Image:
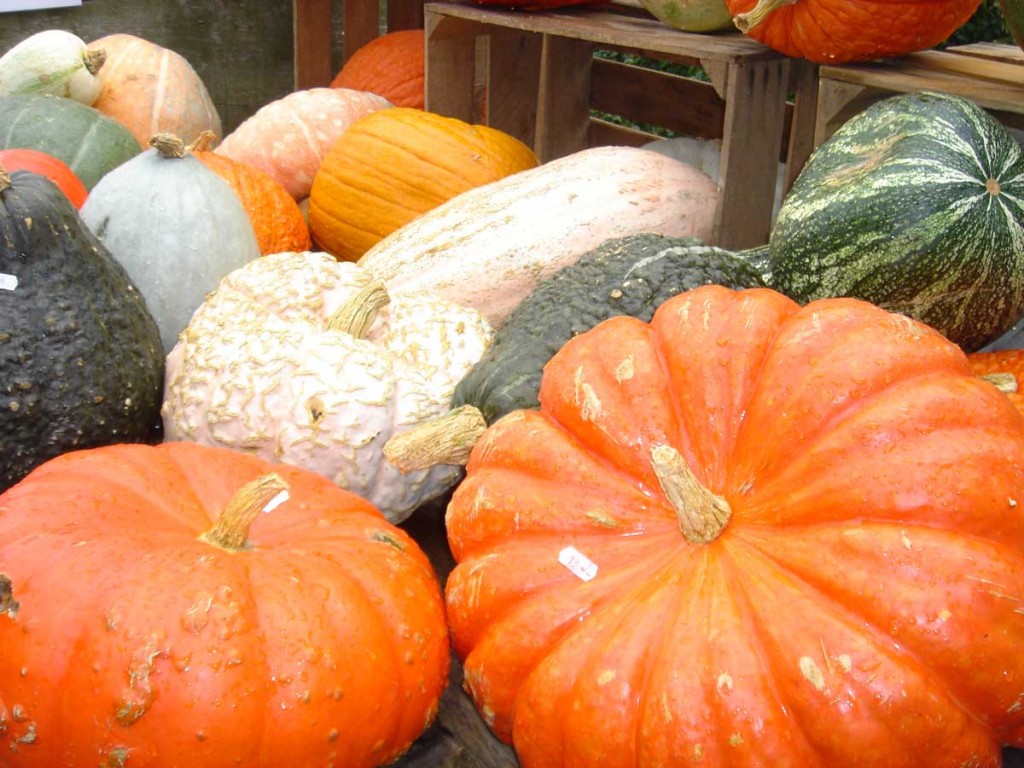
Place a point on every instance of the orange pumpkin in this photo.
(288, 138)
(997, 366)
(747, 533)
(391, 66)
(47, 165)
(397, 164)
(151, 89)
(278, 222)
(153, 606)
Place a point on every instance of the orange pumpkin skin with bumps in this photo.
(793, 536)
(277, 220)
(1002, 361)
(391, 65)
(130, 638)
(396, 164)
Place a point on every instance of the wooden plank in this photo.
(512, 83)
(800, 122)
(563, 97)
(603, 133)
(450, 67)
(748, 168)
(360, 23)
(313, 35)
(404, 14)
(993, 51)
(609, 25)
(680, 104)
(976, 67)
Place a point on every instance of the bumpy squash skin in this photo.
(79, 351)
(624, 276)
(914, 205)
(90, 143)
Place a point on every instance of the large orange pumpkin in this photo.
(151, 89)
(391, 66)
(838, 31)
(277, 220)
(144, 623)
(1005, 368)
(396, 164)
(748, 533)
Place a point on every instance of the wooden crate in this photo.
(540, 82)
(990, 74)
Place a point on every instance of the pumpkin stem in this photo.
(1004, 382)
(8, 605)
(747, 21)
(231, 531)
(702, 514)
(360, 309)
(94, 60)
(446, 439)
(203, 142)
(168, 145)
(5, 179)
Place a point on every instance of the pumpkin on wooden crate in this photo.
(87, 141)
(152, 89)
(395, 165)
(80, 353)
(302, 359)
(391, 65)
(840, 31)
(289, 137)
(489, 247)
(175, 225)
(53, 61)
(278, 222)
(54, 169)
(916, 205)
(747, 533)
(225, 609)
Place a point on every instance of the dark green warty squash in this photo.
(916, 205)
(81, 363)
(625, 276)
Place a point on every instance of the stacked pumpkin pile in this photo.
(708, 507)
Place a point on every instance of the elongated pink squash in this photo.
(487, 248)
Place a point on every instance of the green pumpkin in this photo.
(625, 276)
(88, 141)
(79, 351)
(916, 205)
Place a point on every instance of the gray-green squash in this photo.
(80, 353)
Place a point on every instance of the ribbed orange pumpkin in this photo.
(396, 164)
(391, 66)
(278, 222)
(151, 89)
(288, 138)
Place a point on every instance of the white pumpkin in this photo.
(293, 359)
(174, 225)
(53, 62)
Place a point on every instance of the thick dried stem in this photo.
(203, 143)
(747, 21)
(447, 439)
(231, 531)
(702, 514)
(8, 605)
(1004, 382)
(168, 145)
(5, 179)
(360, 309)
(94, 60)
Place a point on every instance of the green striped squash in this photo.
(916, 205)
(88, 141)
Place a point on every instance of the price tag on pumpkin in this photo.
(8, 282)
(578, 563)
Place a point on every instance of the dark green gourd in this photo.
(916, 205)
(81, 363)
(625, 276)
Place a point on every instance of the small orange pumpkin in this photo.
(396, 164)
(391, 66)
(276, 218)
(151, 89)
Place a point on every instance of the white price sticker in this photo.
(276, 502)
(8, 282)
(578, 563)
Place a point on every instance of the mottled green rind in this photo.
(81, 360)
(899, 208)
(626, 276)
(88, 141)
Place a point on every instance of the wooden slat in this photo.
(563, 97)
(360, 23)
(606, 134)
(680, 104)
(313, 40)
(404, 14)
(511, 83)
(450, 67)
